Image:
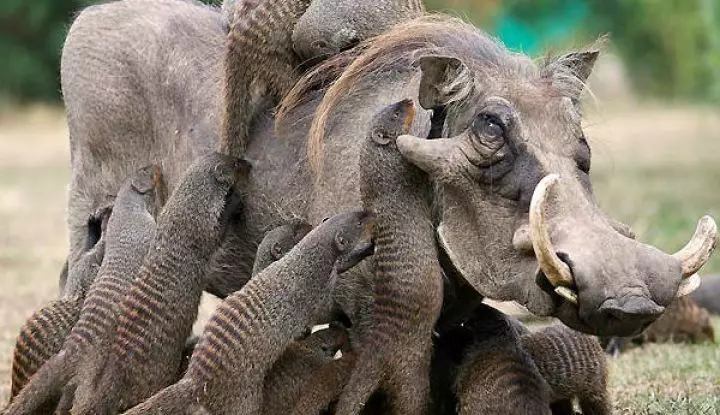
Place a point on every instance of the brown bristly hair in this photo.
(398, 49)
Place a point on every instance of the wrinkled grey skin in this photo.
(142, 84)
(330, 26)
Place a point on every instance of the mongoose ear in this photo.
(147, 179)
(444, 80)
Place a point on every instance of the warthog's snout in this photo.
(615, 284)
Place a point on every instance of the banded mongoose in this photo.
(130, 230)
(395, 350)
(250, 329)
(496, 375)
(45, 331)
(157, 314)
(331, 26)
(298, 365)
(260, 64)
(574, 366)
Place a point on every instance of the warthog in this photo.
(142, 83)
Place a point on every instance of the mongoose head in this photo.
(325, 343)
(330, 26)
(353, 237)
(279, 241)
(148, 182)
(207, 196)
(392, 121)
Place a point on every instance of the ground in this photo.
(656, 168)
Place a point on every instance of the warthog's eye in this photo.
(489, 126)
(583, 161)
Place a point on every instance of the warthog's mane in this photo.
(398, 49)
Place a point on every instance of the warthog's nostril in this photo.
(636, 308)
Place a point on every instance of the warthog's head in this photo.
(516, 213)
(518, 217)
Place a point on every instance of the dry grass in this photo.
(657, 169)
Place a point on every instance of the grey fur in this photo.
(156, 316)
(298, 366)
(394, 352)
(130, 231)
(496, 375)
(251, 328)
(120, 117)
(44, 333)
(330, 26)
(574, 366)
(707, 295)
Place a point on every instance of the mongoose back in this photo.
(260, 64)
(683, 321)
(331, 26)
(574, 366)
(395, 350)
(156, 316)
(250, 329)
(298, 365)
(130, 230)
(45, 332)
(496, 375)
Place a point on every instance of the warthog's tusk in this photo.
(688, 285)
(567, 294)
(556, 271)
(697, 252)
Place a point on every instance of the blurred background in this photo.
(653, 120)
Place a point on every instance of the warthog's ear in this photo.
(444, 80)
(580, 64)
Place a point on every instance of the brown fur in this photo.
(157, 314)
(394, 353)
(259, 64)
(250, 330)
(574, 366)
(298, 366)
(129, 232)
(45, 332)
(494, 374)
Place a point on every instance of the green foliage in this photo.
(671, 47)
(31, 38)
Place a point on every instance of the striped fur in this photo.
(494, 375)
(325, 386)
(251, 329)
(395, 350)
(155, 318)
(331, 26)
(45, 332)
(499, 378)
(574, 366)
(129, 233)
(298, 365)
(260, 64)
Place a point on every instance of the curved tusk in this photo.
(688, 285)
(567, 294)
(697, 252)
(556, 271)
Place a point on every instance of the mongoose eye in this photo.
(341, 242)
(277, 251)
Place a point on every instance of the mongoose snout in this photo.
(355, 242)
